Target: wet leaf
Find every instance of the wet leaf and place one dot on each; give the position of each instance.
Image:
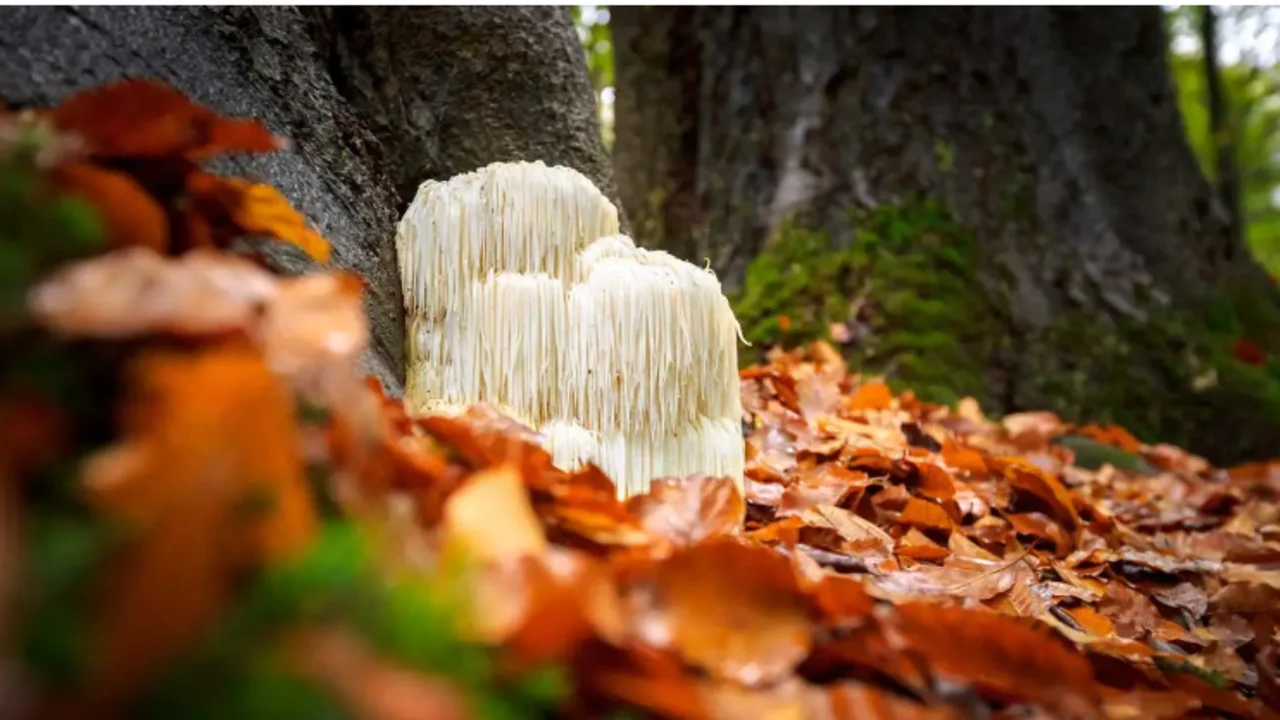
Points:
(689, 510)
(1002, 657)
(733, 610)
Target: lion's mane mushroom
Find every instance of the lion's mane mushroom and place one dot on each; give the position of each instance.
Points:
(520, 292)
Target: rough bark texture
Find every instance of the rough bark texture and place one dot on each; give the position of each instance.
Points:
(376, 100)
(1051, 134)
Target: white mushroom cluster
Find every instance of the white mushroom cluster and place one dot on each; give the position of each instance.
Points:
(520, 292)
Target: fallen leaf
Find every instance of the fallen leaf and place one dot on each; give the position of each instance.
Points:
(139, 118)
(135, 291)
(131, 216)
(207, 485)
(871, 396)
(733, 610)
(689, 510)
(1003, 657)
(490, 518)
(254, 209)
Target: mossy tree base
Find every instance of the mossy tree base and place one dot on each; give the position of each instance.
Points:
(922, 306)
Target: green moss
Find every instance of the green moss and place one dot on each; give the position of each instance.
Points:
(908, 282)
(1171, 378)
(908, 277)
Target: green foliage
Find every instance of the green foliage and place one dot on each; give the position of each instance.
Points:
(597, 42)
(37, 232)
(238, 672)
(1169, 378)
(592, 23)
(908, 276)
(1254, 115)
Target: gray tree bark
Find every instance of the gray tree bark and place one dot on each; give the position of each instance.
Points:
(1064, 155)
(376, 100)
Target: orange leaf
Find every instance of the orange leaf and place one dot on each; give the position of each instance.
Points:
(934, 482)
(254, 209)
(1047, 489)
(138, 118)
(208, 481)
(1111, 435)
(918, 546)
(129, 214)
(689, 510)
(964, 459)
(735, 611)
(872, 396)
(1004, 657)
(925, 515)
(490, 517)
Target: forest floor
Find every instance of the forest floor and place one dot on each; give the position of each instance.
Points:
(208, 512)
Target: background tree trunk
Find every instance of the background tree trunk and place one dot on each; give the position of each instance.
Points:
(1048, 135)
(376, 100)
(1221, 125)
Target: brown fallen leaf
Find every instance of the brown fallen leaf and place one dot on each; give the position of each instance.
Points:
(733, 610)
(490, 518)
(141, 118)
(871, 396)
(136, 291)
(130, 215)
(208, 483)
(689, 510)
(254, 209)
(1003, 657)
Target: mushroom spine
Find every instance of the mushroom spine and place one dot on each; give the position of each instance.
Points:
(519, 291)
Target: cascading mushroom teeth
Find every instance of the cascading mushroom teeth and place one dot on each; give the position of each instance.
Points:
(521, 293)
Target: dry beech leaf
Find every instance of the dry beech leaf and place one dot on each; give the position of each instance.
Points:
(731, 609)
(1003, 657)
(1045, 488)
(862, 533)
(130, 216)
(254, 209)
(490, 517)
(314, 323)
(689, 510)
(855, 701)
(139, 118)
(871, 396)
(135, 291)
(925, 515)
(182, 479)
(919, 547)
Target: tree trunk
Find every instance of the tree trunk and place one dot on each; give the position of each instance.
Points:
(376, 100)
(1221, 125)
(1079, 228)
